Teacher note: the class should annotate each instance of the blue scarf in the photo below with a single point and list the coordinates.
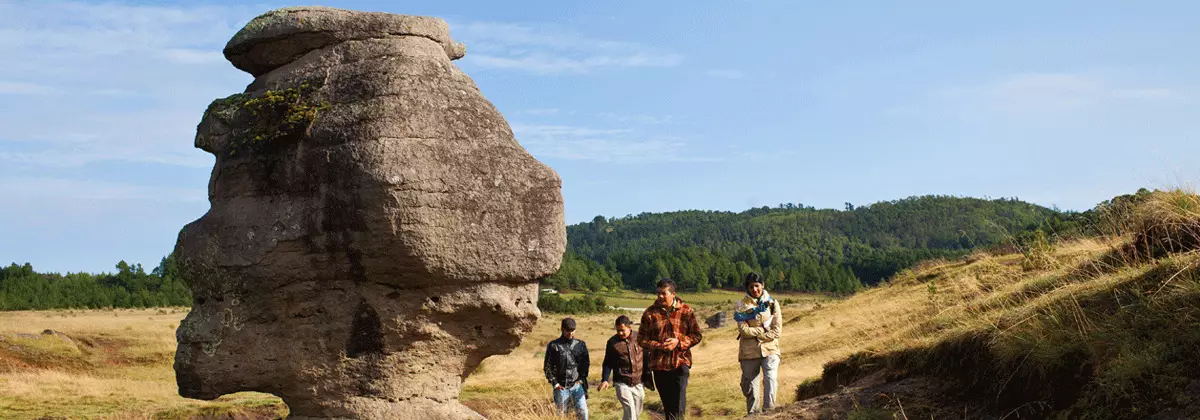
(748, 308)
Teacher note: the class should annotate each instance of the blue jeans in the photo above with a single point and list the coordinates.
(564, 398)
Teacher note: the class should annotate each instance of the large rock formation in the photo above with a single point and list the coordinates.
(375, 230)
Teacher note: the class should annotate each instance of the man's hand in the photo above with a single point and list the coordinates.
(558, 387)
(671, 343)
(603, 386)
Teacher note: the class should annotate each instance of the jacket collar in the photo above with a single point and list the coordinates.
(564, 339)
(674, 305)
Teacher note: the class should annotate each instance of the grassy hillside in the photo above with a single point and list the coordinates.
(1098, 329)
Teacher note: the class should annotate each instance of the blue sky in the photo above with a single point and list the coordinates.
(640, 106)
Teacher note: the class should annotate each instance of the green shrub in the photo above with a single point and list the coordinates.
(587, 304)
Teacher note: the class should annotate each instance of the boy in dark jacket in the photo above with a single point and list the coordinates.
(566, 366)
(623, 363)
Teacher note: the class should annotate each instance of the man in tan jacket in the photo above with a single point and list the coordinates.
(760, 323)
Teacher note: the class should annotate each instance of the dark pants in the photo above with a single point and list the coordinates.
(672, 389)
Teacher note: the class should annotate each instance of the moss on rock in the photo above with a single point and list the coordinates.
(257, 121)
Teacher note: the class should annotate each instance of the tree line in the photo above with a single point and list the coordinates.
(22, 288)
(795, 247)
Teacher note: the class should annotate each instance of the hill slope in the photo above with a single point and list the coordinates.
(1102, 329)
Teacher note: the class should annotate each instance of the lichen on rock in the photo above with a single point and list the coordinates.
(375, 230)
(256, 121)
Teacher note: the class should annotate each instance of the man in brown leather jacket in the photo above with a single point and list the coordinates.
(623, 361)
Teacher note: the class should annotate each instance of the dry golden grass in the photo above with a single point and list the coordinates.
(918, 307)
(126, 373)
(816, 331)
(116, 365)
(1123, 310)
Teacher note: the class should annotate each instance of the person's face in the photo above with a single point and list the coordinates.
(568, 333)
(623, 331)
(665, 296)
(756, 290)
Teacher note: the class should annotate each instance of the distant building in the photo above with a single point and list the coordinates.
(548, 291)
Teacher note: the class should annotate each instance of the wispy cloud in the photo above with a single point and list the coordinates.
(541, 111)
(1032, 93)
(643, 119)
(56, 27)
(193, 56)
(725, 74)
(602, 145)
(111, 81)
(1143, 93)
(544, 63)
(73, 189)
(638, 118)
(552, 50)
(139, 136)
(766, 156)
(18, 88)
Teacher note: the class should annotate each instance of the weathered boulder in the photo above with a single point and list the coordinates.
(375, 230)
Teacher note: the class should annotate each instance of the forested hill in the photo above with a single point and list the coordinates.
(794, 246)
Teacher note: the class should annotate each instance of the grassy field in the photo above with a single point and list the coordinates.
(1123, 310)
(1103, 328)
(511, 386)
(110, 364)
(116, 364)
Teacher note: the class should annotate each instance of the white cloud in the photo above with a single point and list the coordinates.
(1040, 93)
(552, 50)
(725, 74)
(18, 88)
(766, 156)
(146, 136)
(113, 82)
(542, 111)
(56, 27)
(39, 189)
(635, 118)
(193, 56)
(619, 117)
(602, 145)
(493, 34)
(549, 63)
(1143, 93)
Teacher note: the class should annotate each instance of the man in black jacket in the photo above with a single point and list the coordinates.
(566, 366)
